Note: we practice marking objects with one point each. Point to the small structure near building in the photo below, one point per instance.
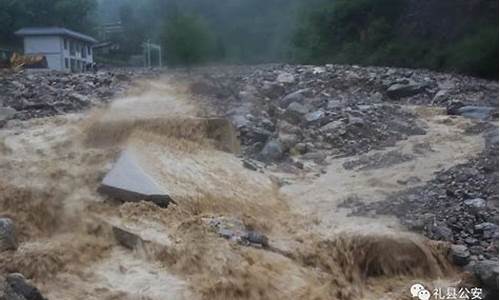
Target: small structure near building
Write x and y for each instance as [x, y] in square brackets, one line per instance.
[64, 49]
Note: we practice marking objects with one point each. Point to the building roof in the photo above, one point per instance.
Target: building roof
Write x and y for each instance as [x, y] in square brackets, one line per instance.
[31, 31]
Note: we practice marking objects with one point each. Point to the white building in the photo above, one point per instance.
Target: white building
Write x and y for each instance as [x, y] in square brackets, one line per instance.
[64, 49]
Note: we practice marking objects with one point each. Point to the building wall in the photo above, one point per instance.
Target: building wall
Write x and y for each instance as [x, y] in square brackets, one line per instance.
[49, 46]
[42, 44]
[62, 53]
[72, 50]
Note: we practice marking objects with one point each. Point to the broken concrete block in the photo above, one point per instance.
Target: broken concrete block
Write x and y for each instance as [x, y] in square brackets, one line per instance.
[127, 181]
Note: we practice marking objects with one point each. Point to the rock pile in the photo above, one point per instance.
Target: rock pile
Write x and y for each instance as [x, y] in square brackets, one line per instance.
[285, 110]
[460, 206]
[27, 95]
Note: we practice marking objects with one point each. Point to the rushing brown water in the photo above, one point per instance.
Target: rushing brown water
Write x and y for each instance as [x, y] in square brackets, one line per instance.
[54, 166]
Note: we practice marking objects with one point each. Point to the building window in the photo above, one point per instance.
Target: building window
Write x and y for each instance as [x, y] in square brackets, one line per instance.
[89, 50]
[71, 48]
[84, 52]
[65, 44]
[66, 63]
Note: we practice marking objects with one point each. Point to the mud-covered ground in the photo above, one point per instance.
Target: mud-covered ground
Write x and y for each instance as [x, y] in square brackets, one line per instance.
[338, 165]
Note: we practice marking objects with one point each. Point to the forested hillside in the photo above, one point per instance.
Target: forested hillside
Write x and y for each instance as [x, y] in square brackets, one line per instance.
[74, 14]
[453, 35]
[450, 35]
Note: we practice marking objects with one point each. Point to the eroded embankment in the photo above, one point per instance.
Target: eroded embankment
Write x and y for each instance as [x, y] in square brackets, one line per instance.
[68, 247]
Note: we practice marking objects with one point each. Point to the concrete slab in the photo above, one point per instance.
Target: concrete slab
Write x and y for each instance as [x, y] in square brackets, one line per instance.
[127, 181]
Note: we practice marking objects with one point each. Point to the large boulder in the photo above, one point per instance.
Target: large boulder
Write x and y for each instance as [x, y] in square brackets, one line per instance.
[272, 151]
[315, 117]
[7, 235]
[487, 273]
[272, 90]
[406, 89]
[288, 140]
[333, 127]
[297, 96]
[285, 77]
[491, 137]
[16, 287]
[295, 112]
[475, 112]
[460, 254]
[5, 114]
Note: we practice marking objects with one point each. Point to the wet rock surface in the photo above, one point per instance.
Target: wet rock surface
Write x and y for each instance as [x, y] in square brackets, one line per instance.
[378, 160]
[459, 205]
[15, 287]
[8, 240]
[341, 110]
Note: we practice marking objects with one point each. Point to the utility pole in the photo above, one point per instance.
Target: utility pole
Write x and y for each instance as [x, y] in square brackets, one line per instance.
[148, 46]
[149, 54]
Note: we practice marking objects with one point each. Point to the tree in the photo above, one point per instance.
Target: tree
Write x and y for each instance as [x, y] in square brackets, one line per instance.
[187, 40]
[74, 14]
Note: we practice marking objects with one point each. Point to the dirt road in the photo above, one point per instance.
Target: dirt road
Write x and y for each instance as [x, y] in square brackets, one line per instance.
[53, 166]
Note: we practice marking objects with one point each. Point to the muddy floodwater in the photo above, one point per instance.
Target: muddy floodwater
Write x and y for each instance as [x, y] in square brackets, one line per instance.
[52, 168]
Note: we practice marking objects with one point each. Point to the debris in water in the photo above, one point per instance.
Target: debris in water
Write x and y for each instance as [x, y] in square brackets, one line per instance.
[235, 230]
[128, 182]
[8, 239]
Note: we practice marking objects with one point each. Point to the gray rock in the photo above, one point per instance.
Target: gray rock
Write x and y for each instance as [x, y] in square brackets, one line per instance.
[487, 273]
[475, 205]
[297, 96]
[19, 288]
[486, 227]
[127, 181]
[475, 112]
[8, 239]
[250, 165]
[441, 96]
[489, 230]
[356, 121]
[272, 151]
[491, 137]
[295, 112]
[239, 121]
[300, 148]
[317, 157]
[288, 141]
[258, 238]
[126, 238]
[400, 90]
[6, 113]
[314, 117]
[272, 90]
[333, 104]
[332, 127]
[285, 77]
[259, 134]
[441, 232]
[285, 127]
[460, 254]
